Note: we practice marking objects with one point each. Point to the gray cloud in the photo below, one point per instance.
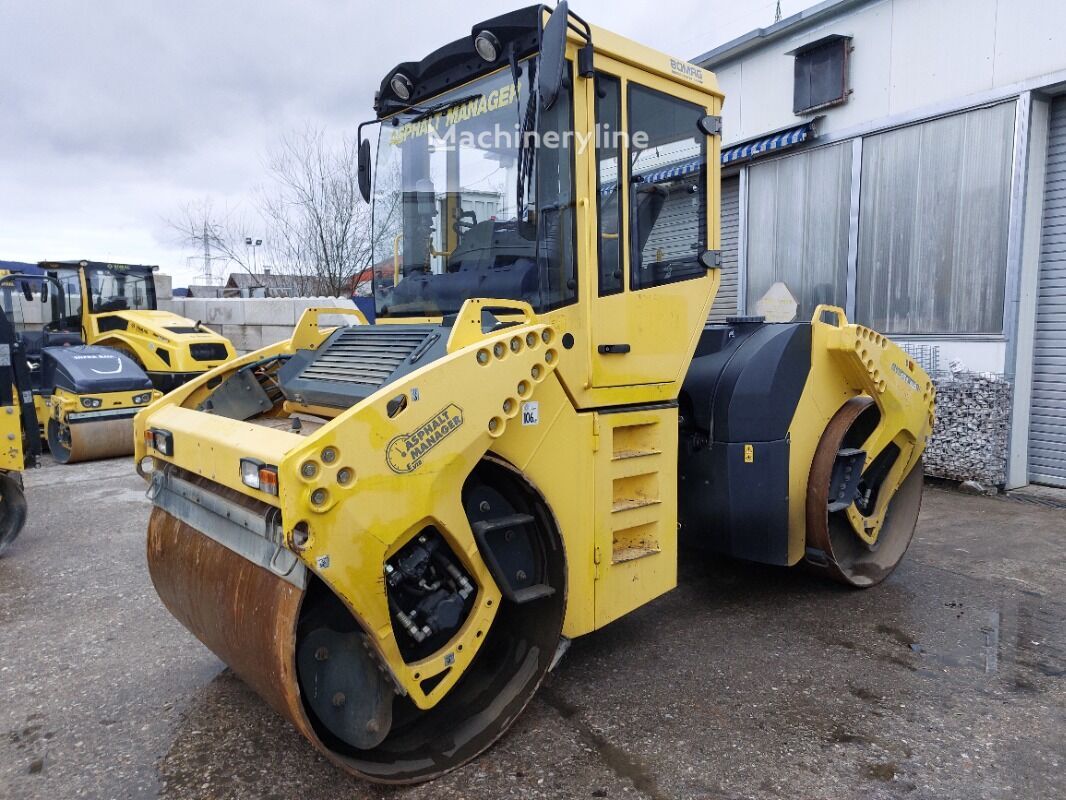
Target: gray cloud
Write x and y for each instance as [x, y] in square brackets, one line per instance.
[114, 114]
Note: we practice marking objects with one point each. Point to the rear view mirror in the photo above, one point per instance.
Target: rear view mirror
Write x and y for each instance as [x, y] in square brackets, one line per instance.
[364, 169]
[27, 292]
[552, 53]
[44, 291]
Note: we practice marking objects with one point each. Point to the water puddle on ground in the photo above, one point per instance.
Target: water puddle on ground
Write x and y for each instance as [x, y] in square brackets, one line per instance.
[1016, 639]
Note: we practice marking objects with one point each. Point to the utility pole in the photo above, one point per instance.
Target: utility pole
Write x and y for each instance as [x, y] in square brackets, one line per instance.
[208, 278]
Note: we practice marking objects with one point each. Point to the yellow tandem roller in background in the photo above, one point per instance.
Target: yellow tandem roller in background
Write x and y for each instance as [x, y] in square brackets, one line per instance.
[84, 396]
[89, 397]
[390, 531]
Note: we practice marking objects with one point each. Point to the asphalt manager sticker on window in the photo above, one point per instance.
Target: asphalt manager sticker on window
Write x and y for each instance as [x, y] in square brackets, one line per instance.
[405, 452]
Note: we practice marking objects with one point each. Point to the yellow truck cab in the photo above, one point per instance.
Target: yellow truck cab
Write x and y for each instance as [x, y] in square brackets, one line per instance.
[115, 305]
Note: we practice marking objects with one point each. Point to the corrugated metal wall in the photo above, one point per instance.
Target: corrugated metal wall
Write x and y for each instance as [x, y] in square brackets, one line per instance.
[933, 224]
[798, 210]
[676, 232]
[1047, 416]
[725, 304]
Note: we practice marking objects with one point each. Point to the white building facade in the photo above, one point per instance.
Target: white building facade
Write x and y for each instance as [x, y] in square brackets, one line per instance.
[906, 160]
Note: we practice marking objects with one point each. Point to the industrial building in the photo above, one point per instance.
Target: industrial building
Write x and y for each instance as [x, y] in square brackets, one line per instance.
[906, 159]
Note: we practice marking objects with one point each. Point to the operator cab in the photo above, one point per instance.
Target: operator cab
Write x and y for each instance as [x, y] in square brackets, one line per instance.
[106, 288]
[543, 161]
[18, 293]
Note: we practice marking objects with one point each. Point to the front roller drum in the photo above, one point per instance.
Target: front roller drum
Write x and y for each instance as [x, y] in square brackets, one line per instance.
[90, 440]
[833, 548]
[302, 652]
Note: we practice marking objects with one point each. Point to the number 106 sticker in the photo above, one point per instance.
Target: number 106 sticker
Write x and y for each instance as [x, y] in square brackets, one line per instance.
[531, 413]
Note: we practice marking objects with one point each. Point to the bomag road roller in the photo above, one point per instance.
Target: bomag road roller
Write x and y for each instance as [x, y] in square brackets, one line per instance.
[20, 441]
[391, 530]
[115, 305]
[85, 396]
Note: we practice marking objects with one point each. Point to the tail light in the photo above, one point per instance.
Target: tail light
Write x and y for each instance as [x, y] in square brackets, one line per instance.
[163, 441]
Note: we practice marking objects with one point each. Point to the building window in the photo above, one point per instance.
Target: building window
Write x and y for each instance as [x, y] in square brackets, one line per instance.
[668, 189]
[821, 74]
[797, 233]
[933, 225]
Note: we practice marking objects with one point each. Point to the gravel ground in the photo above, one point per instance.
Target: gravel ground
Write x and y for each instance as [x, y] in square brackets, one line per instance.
[745, 682]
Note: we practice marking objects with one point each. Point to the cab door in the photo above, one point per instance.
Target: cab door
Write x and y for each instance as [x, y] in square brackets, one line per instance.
[655, 186]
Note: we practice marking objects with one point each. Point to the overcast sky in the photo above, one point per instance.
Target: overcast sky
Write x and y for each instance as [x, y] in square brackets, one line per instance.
[116, 113]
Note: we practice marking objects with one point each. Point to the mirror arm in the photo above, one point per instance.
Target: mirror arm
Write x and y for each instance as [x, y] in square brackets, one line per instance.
[587, 32]
[585, 67]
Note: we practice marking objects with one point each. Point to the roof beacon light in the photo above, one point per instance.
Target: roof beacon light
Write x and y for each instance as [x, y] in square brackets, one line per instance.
[487, 46]
[401, 86]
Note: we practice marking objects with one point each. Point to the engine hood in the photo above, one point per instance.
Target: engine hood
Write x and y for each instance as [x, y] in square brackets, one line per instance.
[86, 369]
[166, 326]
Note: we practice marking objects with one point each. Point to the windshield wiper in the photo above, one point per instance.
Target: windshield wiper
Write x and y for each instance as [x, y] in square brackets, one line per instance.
[436, 108]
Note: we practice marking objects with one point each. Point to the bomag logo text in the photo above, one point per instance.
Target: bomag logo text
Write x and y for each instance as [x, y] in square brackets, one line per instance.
[405, 452]
[907, 379]
[686, 70]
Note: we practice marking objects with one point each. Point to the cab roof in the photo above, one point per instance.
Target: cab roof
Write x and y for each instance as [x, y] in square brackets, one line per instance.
[519, 33]
[75, 263]
[458, 62]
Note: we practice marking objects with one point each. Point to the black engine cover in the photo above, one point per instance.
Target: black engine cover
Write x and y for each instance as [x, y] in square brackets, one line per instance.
[737, 403]
[90, 369]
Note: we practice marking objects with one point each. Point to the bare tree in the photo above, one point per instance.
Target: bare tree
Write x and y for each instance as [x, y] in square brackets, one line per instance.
[316, 228]
[318, 225]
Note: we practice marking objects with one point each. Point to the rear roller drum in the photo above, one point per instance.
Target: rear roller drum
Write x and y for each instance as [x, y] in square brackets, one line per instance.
[834, 549]
[91, 440]
[12, 508]
[305, 654]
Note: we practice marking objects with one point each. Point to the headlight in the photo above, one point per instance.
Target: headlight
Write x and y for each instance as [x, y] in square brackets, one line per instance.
[401, 86]
[250, 472]
[91, 402]
[487, 46]
[257, 475]
[140, 399]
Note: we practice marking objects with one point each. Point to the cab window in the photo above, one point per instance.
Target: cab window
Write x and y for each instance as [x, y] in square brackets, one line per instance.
[608, 182]
[667, 188]
[66, 309]
[120, 290]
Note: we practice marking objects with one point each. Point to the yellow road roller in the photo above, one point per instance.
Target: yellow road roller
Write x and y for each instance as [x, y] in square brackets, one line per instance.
[391, 530]
[115, 305]
[85, 396]
[20, 442]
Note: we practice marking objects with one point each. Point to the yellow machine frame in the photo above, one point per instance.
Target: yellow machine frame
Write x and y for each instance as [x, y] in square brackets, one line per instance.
[603, 454]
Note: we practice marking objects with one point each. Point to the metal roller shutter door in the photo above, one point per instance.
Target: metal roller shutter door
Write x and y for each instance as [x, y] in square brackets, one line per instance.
[1047, 418]
[725, 304]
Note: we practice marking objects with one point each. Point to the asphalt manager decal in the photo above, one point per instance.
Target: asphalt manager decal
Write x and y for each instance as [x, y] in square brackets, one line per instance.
[405, 452]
